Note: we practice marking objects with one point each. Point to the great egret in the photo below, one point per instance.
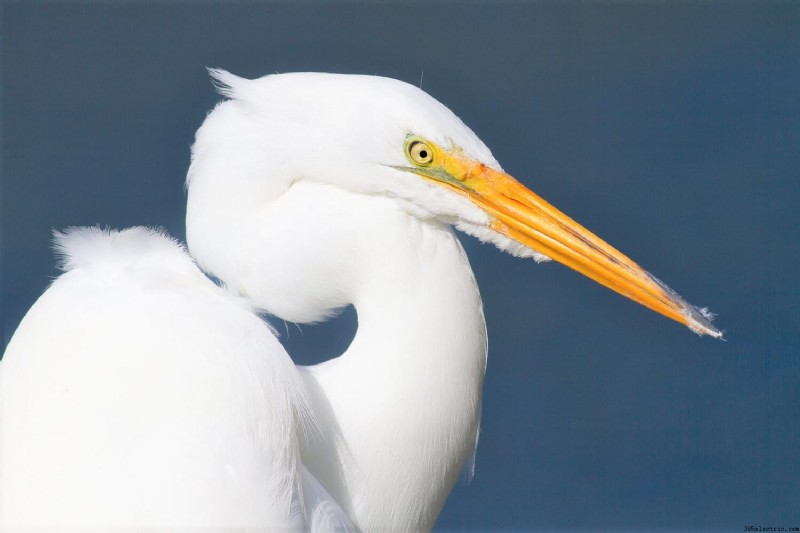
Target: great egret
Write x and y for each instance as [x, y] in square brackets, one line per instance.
[137, 393]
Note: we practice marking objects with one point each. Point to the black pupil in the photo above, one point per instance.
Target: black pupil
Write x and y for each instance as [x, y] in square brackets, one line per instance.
[423, 154]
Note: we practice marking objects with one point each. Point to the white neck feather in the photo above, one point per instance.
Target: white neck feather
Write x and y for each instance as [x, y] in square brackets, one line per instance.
[400, 408]
[402, 404]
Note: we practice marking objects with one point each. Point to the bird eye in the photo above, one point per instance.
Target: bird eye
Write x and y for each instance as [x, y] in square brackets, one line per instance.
[419, 152]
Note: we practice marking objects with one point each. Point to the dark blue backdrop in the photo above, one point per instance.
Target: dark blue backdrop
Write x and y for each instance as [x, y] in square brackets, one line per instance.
[673, 131]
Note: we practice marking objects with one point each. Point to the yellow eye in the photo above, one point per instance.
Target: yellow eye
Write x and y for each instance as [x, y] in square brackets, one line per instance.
[419, 152]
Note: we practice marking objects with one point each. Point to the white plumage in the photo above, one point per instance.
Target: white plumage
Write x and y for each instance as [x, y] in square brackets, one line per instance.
[138, 394]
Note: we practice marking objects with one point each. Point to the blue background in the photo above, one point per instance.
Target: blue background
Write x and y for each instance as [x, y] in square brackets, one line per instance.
[671, 130]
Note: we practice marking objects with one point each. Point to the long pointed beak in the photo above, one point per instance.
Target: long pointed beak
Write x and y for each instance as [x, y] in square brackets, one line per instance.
[520, 214]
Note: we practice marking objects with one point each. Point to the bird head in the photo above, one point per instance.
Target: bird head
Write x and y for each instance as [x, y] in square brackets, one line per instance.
[377, 136]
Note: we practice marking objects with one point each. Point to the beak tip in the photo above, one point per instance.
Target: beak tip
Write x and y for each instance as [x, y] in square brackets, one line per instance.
[699, 321]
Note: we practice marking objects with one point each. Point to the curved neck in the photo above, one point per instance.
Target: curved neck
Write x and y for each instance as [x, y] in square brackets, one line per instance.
[400, 408]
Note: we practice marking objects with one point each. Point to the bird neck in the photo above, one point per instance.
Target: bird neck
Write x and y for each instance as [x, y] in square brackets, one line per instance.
[398, 412]
[400, 409]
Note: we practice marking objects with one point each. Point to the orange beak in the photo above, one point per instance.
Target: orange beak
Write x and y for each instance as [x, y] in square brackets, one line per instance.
[521, 215]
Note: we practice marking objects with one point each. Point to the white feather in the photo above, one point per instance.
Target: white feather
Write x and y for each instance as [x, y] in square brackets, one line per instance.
[134, 377]
[199, 399]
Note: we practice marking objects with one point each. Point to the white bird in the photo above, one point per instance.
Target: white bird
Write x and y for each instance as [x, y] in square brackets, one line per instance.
[138, 394]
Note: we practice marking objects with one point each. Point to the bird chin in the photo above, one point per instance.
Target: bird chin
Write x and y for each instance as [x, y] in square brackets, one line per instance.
[510, 246]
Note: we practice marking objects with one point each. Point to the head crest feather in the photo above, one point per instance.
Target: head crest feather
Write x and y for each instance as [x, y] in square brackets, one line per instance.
[227, 84]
